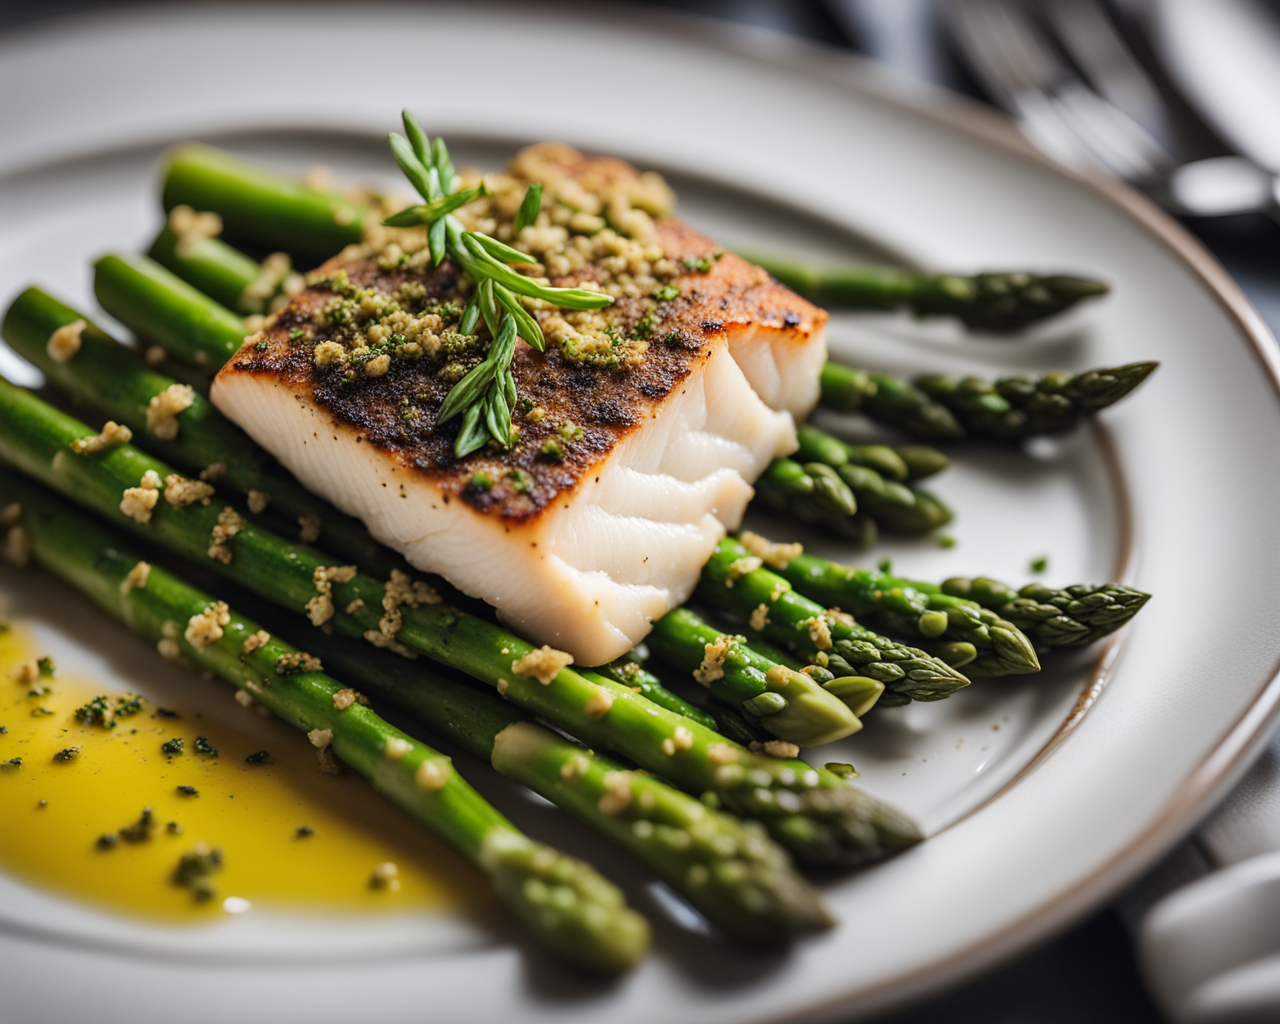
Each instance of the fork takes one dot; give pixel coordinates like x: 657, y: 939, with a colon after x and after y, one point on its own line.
x: 1014, y: 57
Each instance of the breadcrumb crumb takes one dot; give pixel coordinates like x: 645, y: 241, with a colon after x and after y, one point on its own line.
x: 136, y: 578
x: 543, y: 664
x: 230, y: 522
x: 163, y: 409
x: 760, y: 617
x: 776, y: 748
x: 617, y: 793
x: 343, y: 699
x: 433, y: 774
x: 775, y: 556
x: 112, y: 433
x: 598, y: 704
x: 297, y: 661
x: 575, y: 767
x: 712, y: 667
x: 181, y: 492
x: 739, y: 567
x: 205, y: 627
x: 256, y: 641
x: 819, y: 632
x: 64, y: 343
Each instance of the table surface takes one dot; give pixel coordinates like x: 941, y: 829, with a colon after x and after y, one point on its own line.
x: 1088, y: 973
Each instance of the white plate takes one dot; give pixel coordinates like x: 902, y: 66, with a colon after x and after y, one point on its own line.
x: 767, y: 142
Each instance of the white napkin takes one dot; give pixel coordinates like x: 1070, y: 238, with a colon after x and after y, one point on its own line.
x: 1208, y: 918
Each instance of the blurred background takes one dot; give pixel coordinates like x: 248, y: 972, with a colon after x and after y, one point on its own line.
x: 1178, y: 98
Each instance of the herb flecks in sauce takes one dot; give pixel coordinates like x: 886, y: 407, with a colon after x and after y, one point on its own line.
x: 56, y: 812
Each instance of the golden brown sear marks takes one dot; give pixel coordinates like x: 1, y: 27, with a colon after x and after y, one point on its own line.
x: 585, y: 410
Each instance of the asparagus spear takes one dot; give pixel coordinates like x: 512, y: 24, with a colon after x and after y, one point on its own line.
x: 161, y: 307
x: 742, y: 678
x: 875, y: 473
x: 735, y: 581
x: 730, y: 870
x: 861, y: 693
x: 569, y: 907
x: 998, y: 302
x: 1013, y: 408
x: 862, y: 470
x: 223, y: 273
x: 114, y: 381
x: 259, y: 209
x: 1068, y: 617
x: 641, y: 680
x: 1010, y: 409
x: 906, y: 610
x: 889, y: 400
x: 812, y: 493
x: 810, y: 811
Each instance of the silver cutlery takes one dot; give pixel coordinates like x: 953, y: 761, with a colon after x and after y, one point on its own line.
x: 1064, y: 73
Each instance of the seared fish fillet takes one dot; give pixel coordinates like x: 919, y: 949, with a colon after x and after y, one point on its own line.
x: 639, y: 432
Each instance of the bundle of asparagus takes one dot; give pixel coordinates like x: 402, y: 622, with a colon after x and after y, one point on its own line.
x: 578, y: 914
x: 811, y: 812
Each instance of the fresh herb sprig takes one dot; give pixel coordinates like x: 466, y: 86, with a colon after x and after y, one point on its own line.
x: 485, y: 397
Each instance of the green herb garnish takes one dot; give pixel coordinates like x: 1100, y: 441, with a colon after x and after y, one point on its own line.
x: 485, y: 397
x: 203, y: 746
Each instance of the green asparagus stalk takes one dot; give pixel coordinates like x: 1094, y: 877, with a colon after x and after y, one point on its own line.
x: 869, y: 486
x: 107, y: 377
x: 875, y: 475
x: 1067, y: 617
x: 735, y: 581
x: 641, y: 680
x: 997, y: 302
x: 261, y: 210
x: 904, y: 610
x: 730, y: 870
x: 162, y: 308
x: 861, y: 693
x: 570, y: 908
x: 788, y: 703
x: 223, y: 273
x: 1013, y: 408
x: 1009, y: 409
x: 896, y: 464
x: 889, y: 400
x: 811, y: 493
x: 811, y: 812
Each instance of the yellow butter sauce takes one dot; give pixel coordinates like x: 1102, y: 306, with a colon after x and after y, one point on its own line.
x: 52, y: 812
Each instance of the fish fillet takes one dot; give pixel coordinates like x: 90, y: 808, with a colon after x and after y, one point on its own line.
x: 652, y: 452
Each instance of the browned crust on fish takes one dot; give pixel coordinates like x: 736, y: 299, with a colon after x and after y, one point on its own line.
x: 608, y: 404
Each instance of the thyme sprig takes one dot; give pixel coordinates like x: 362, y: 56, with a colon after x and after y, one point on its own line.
x: 485, y: 397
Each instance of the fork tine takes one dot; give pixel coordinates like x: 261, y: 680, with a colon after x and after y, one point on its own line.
x: 1092, y: 40
x: 1055, y: 107
x: 1019, y: 72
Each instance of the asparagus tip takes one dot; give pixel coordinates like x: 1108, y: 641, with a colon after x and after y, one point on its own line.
x: 579, y: 914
